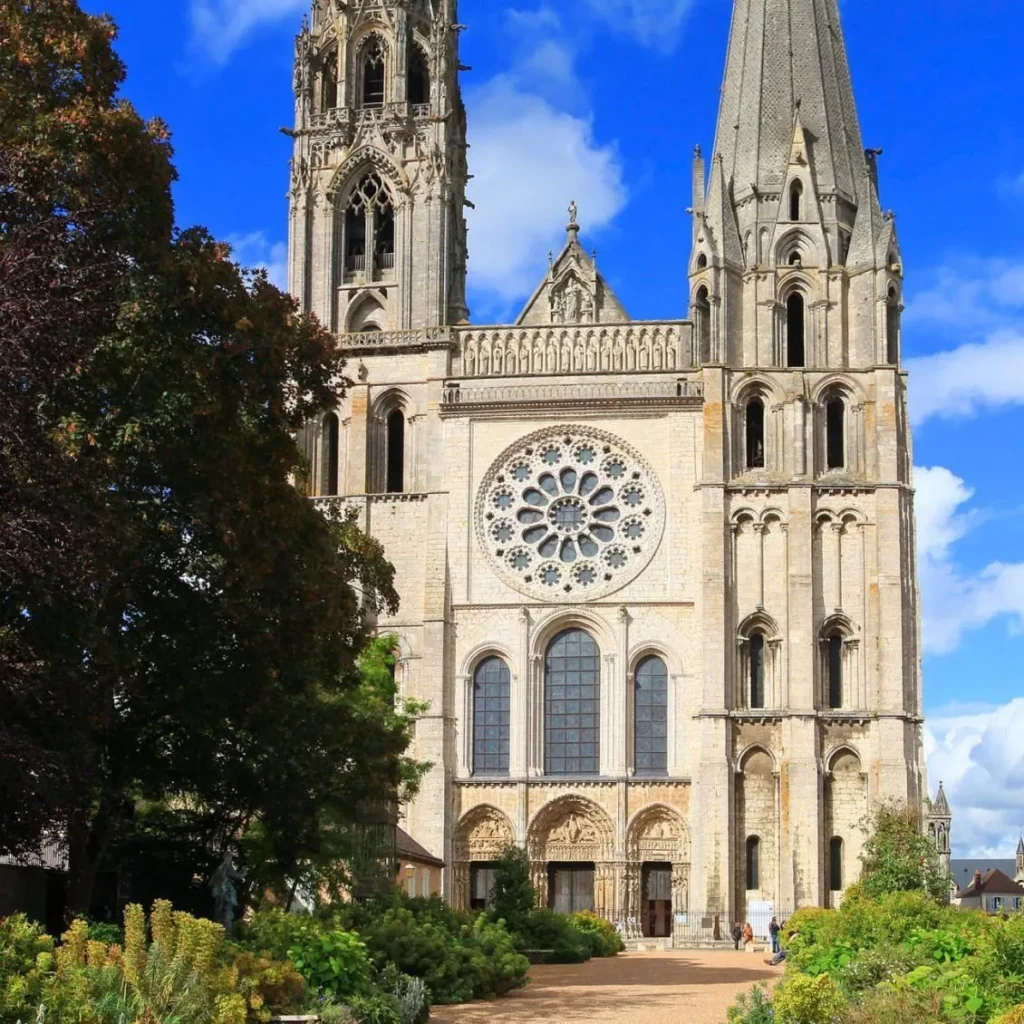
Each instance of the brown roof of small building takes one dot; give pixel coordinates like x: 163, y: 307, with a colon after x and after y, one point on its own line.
x: 992, y: 883
x: 408, y: 849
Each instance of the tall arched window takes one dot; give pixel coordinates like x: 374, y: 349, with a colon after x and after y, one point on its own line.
x: 419, y: 76
x: 572, y: 705
x: 374, y: 61
x: 492, y: 685
x: 396, y: 452
x: 795, y: 330
x: 756, y: 681
x: 369, y: 227
x: 650, y: 718
x: 892, y: 327
x: 753, y: 863
x: 796, y: 196
x: 834, y: 666
x: 702, y: 311
x: 835, y: 864
x: 329, y: 82
x: 332, y: 454
x: 835, y: 433
x: 755, y: 434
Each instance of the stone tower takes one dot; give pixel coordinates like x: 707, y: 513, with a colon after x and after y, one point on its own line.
x: 939, y: 826
x: 377, y: 233
x: 810, y: 593
x: 657, y: 578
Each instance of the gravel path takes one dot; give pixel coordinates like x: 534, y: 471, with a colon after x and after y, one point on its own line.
x: 681, y: 987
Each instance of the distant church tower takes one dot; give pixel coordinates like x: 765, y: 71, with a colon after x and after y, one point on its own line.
x: 939, y: 825
x: 377, y: 233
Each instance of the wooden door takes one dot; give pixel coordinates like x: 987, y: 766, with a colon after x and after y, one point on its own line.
x: 657, y: 901
x: 571, y: 887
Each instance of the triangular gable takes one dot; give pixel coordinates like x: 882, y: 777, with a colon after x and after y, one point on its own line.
x: 573, y: 291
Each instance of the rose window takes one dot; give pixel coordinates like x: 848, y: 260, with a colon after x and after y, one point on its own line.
x: 570, y: 514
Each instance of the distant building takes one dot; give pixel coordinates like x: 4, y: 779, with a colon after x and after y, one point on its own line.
x: 994, y: 892
x: 419, y: 871
x: 964, y: 871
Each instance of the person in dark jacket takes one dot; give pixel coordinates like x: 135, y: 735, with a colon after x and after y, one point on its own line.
x: 737, y: 934
x: 773, y: 930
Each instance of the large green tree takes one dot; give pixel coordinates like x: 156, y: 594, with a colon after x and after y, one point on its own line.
x: 194, y: 640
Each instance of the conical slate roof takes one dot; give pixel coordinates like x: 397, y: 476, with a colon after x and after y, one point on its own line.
x: 787, y: 56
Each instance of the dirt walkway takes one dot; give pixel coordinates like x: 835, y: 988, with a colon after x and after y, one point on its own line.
x: 682, y: 987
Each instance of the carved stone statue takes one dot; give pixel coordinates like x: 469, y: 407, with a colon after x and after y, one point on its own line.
x: 573, y: 295
x: 573, y: 213
x: 225, y: 894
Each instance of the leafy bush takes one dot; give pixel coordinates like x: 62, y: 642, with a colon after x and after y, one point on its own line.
x: 602, y: 935
x: 333, y: 962
x: 547, y: 930
x: 804, y: 1000
x: 753, y: 1007
x: 186, y: 975
x: 1015, y: 1016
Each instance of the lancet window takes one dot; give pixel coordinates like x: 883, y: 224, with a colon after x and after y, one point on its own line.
x: 418, y: 76
x: 331, y: 455
x: 755, y: 434
x: 796, y: 199
x: 650, y: 717
x: 835, y: 864
x: 755, y: 682
x: 374, y: 65
x: 795, y: 330
x: 369, y: 228
x: 572, y: 705
x: 753, y: 863
x: 491, y: 706
x: 329, y: 81
x: 835, y: 433
x: 834, y: 667
x: 702, y: 314
x: 892, y: 327
x: 396, y: 452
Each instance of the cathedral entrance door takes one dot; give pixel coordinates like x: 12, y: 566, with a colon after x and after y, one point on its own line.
x: 657, y: 901
x: 570, y: 887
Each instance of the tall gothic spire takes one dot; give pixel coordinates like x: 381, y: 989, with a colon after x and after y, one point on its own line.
x: 787, y: 61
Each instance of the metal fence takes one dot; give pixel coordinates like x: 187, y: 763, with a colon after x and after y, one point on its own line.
x: 694, y: 928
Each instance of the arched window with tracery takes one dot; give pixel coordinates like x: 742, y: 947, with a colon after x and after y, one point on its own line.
x: 572, y: 705
x: 373, y: 61
x: 755, y: 434
x: 753, y: 871
x: 395, y: 455
x: 329, y: 484
x: 835, y: 432
x: 650, y: 717
x: 418, y: 76
x: 369, y: 227
x: 796, y: 198
x: 492, y: 684
x: 892, y: 327
x: 795, y: 330
x: 702, y: 314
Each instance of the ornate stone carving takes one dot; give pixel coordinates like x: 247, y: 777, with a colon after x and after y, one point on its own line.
x: 483, y: 834
x: 570, y: 514
x: 571, y: 829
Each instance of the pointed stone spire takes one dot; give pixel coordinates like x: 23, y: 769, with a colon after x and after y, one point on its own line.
x: 941, y: 807
x: 1020, y: 847
x: 787, y: 56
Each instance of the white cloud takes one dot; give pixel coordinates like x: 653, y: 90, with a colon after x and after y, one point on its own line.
x: 954, y: 600
x: 655, y: 23
x: 533, y: 151
x: 256, y: 251
x: 219, y: 27
x: 977, y: 753
x: 1013, y: 186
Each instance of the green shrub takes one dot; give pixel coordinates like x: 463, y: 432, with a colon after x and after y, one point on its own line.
x: 753, y: 1007
x: 1015, y: 1016
x: 333, y: 962
x: 889, y: 1006
x: 547, y: 930
x: 602, y: 935
x: 26, y: 960
x: 801, y: 999
x: 513, y: 897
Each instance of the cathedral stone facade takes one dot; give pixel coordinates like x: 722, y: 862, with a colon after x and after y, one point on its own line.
x: 657, y: 578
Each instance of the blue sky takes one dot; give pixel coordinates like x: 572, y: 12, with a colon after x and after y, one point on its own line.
x: 603, y: 101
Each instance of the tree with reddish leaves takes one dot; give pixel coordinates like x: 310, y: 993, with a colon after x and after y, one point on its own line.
x: 178, y: 625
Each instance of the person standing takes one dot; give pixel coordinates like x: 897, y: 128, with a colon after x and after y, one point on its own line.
x: 773, y: 930
x: 748, y: 938
x: 737, y: 934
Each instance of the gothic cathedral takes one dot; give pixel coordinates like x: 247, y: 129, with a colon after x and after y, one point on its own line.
x: 658, y: 578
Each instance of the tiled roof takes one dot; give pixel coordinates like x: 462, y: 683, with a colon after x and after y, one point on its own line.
x: 408, y: 848
x: 992, y: 883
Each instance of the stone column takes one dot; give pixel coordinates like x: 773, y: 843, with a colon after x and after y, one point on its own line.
x: 519, y: 724
x: 464, y: 725
x: 621, y: 697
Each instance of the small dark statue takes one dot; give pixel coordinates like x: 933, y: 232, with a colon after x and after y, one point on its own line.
x: 225, y: 893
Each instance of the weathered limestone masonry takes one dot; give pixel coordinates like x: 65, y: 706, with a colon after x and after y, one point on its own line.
x: 657, y: 579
